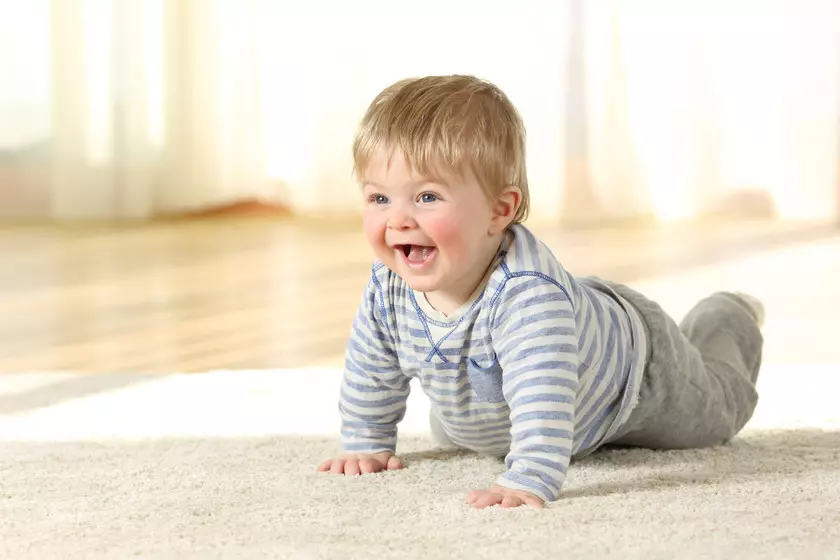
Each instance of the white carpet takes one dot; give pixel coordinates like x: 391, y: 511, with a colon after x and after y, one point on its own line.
x: 222, y: 465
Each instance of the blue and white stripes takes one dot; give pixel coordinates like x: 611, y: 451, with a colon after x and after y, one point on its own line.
x: 535, y: 368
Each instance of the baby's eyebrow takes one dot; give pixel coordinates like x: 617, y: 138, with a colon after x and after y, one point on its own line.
x: 415, y: 185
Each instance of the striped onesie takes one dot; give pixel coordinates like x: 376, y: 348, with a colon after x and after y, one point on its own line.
x: 538, y: 367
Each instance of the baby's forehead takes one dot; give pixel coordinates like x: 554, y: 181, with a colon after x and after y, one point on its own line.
x: 417, y: 168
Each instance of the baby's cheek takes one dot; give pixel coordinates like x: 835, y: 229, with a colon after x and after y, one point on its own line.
x: 369, y: 229
x: 374, y: 229
x: 450, y: 234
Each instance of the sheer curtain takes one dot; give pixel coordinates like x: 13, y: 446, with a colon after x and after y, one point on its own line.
x: 129, y: 108
x: 635, y: 108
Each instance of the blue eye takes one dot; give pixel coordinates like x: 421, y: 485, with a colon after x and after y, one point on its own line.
x: 378, y: 199
x: 428, y: 197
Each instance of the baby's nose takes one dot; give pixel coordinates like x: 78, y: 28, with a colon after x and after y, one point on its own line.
x: 400, y: 219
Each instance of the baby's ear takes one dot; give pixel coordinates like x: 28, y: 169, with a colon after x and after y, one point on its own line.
x: 504, y: 208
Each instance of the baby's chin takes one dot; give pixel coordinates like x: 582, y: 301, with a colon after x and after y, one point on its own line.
x: 420, y: 284
x: 417, y: 282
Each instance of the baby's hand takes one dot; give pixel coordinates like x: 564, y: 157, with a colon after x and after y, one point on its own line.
x: 505, y: 496
x: 361, y: 463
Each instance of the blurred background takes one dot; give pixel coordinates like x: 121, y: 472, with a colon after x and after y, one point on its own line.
x: 175, y: 175
x: 113, y: 109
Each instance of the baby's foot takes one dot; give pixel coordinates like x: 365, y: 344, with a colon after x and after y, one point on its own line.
x: 755, y: 305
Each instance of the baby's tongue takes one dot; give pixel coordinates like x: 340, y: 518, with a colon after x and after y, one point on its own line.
x: 419, y: 253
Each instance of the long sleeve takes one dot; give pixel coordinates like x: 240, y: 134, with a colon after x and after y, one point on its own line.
x: 536, y: 344
x: 373, y: 390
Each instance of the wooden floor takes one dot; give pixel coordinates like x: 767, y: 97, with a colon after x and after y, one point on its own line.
x: 259, y: 293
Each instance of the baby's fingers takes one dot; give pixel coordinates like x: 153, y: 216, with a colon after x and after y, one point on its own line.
x: 351, y: 467
x: 325, y: 466
x: 338, y: 466
x: 394, y: 463
x: 367, y: 466
x: 480, y: 499
x: 511, y: 501
x: 533, y: 501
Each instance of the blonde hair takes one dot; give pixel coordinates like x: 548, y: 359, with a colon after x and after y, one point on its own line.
x: 460, y: 122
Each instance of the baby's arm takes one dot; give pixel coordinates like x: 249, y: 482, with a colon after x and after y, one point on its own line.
x: 536, y: 342
x: 373, y: 395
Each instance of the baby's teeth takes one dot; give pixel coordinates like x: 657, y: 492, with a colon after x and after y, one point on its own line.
x: 425, y: 253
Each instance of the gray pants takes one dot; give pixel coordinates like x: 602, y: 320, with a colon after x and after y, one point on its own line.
x: 698, y: 389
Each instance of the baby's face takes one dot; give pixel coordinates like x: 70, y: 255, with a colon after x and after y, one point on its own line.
x: 436, y: 236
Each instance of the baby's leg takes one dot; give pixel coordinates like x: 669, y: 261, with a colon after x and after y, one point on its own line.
x: 699, y: 385
x: 440, y: 437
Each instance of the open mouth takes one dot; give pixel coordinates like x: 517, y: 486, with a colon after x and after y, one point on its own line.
x: 416, y: 255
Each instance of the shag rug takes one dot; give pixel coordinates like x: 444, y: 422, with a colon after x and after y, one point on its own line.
x: 766, y: 495
x: 148, y: 470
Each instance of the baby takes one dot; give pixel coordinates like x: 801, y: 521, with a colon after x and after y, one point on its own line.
x: 519, y: 358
